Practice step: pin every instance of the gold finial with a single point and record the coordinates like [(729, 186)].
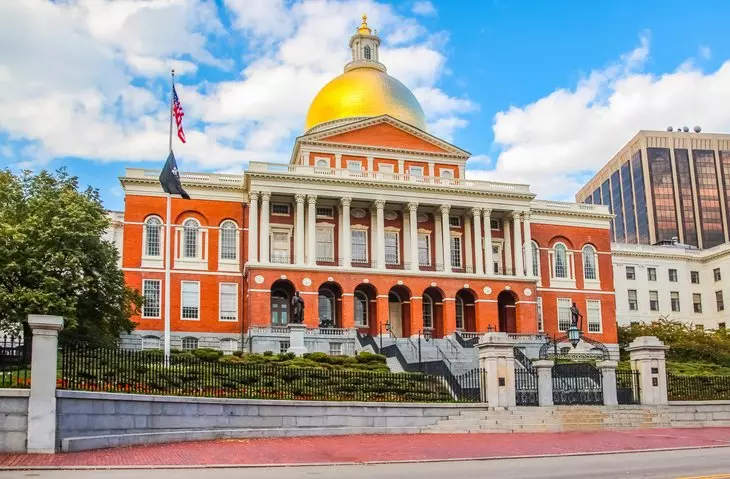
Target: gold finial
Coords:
[(364, 28)]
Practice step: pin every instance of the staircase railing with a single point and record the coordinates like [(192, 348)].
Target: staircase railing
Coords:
[(524, 360), (463, 342)]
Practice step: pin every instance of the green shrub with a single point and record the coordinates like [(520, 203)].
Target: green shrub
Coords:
[(268, 353), (238, 354), (207, 354)]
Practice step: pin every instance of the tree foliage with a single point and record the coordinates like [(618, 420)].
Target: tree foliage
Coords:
[(53, 259)]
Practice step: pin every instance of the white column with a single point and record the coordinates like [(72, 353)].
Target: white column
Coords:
[(371, 163), (507, 250), (265, 196), (488, 260), (413, 216), (311, 229), (299, 229), (438, 248), (42, 401), (478, 252), (608, 373), (373, 237), (528, 243), (405, 238), (253, 227), (402, 167), (469, 262), (431, 169), (446, 237), (380, 220), (345, 233), (519, 268)]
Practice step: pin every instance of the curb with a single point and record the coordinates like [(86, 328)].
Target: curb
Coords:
[(352, 463)]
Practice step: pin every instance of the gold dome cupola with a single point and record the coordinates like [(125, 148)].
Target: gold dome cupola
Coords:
[(364, 90)]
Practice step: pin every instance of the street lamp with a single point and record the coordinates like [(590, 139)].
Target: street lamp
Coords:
[(574, 335), (427, 335)]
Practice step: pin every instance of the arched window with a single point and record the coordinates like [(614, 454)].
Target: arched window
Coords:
[(279, 308), (361, 309), (459, 313), (561, 261), (427, 312), (535, 260), (188, 344), (228, 233), (151, 342), (323, 163), (589, 262), (447, 174), (153, 236), (367, 52), (191, 228), (326, 307)]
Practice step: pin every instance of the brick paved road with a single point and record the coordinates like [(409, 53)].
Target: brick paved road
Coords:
[(359, 449)]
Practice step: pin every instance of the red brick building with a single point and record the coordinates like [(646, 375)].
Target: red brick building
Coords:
[(376, 226)]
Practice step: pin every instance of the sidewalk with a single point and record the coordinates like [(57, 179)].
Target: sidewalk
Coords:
[(364, 449)]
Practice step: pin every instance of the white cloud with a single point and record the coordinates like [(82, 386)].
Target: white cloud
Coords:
[(705, 52), (559, 141), (423, 8)]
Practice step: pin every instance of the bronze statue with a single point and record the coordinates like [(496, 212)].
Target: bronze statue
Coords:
[(574, 315), (297, 306)]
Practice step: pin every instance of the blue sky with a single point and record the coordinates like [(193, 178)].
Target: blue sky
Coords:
[(539, 92)]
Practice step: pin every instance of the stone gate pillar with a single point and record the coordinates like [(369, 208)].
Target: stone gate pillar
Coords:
[(497, 358), (42, 401), (647, 354), (544, 381), (608, 378)]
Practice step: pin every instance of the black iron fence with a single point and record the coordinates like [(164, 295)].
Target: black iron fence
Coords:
[(526, 392), (14, 362), (698, 388), (627, 386), (577, 383), (114, 370)]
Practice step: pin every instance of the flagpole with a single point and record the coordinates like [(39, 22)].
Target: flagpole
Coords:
[(168, 215)]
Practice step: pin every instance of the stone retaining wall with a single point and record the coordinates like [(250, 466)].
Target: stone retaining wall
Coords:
[(13, 419), (699, 413)]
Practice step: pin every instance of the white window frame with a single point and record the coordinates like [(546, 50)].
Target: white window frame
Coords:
[(428, 249), (595, 282), (319, 160), (695, 304), (182, 300), (283, 229), (200, 261), (717, 274), (656, 293), (456, 259), (454, 221), (594, 321), (427, 312), (330, 229), (182, 343), (636, 299), (146, 345), (676, 275), (566, 321), (160, 239), (220, 302), (540, 317), (354, 165), (227, 341), (335, 349), (391, 233), (360, 296), (186, 245), (286, 205), (559, 281), (633, 273), (535, 252), (719, 300), (648, 275), (460, 308), (414, 170), (331, 300), (364, 232), (159, 298), (694, 274), (679, 302), (228, 264), (447, 173), (324, 215)]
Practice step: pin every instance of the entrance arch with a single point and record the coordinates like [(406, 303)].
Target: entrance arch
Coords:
[(506, 307), (399, 311), (466, 310), (433, 311), (281, 293), (329, 305), (365, 308)]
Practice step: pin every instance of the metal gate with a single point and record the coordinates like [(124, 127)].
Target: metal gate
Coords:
[(627, 387), (526, 387), (577, 383)]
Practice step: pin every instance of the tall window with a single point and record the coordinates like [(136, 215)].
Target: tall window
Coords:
[(325, 244), (455, 252), (228, 233), (561, 261), (673, 275), (424, 250), (708, 198), (359, 246), (720, 301), (589, 263), (279, 308), (674, 299), (716, 274), (326, 307), (564, 314), (188, 344), (190, 300), (191, 228), (694, 277), (630, 272), (279, 247), (651, 274), (228, 302), (427, 313), (633, 301), (361, 309), (653, 301), (535, 259), (367, 52), (391, 247), (151, 293), (459, 313), (540, 322), (697, 302), (662, 192), (153, 236), (593, 315)]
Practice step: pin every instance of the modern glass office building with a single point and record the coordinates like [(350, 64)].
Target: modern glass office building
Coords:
[(667, 185)]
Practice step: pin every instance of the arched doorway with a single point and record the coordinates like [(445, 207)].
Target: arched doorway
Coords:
[(507, 312), (433, 312), (365, 308), (329, 305), (466, 311), (281, 294), (399, 300)]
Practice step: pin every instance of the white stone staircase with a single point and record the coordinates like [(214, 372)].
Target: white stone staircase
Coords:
[(551, 419)]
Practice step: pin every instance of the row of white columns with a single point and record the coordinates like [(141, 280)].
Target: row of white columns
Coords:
[(305, 251)]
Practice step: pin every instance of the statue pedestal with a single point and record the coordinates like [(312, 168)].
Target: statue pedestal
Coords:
[(296, 339)]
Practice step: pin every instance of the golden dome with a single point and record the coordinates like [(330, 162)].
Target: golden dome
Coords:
[(364, 28), (365, 92)]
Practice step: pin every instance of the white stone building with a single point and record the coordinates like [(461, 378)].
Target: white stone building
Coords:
[(115, 232), (673, 281)]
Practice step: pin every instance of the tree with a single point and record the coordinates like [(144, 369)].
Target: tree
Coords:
[(53, 259)]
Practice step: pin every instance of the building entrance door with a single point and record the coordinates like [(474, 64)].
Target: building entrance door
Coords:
[(395, 317)]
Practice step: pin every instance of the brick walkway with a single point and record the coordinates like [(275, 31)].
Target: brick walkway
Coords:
[(359, 449)]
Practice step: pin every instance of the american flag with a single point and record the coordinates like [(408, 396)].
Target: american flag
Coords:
[(177, 110)]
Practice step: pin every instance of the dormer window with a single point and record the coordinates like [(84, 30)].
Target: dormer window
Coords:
[(366, 52)]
